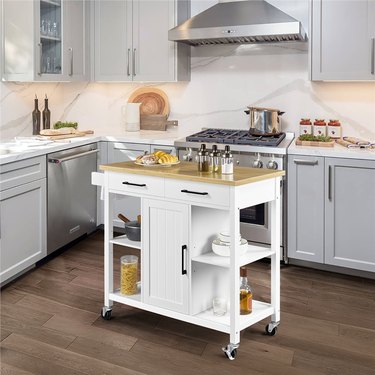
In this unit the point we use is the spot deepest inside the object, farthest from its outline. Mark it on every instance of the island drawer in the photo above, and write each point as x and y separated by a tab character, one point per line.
136	184
197	192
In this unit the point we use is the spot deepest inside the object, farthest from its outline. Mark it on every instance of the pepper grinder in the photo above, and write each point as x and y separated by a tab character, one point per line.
46	115
36	117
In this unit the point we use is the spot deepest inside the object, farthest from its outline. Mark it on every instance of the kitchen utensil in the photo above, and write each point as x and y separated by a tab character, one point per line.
139	219
132	117
315	143
133	230
264	121
223	248
154	101
123	218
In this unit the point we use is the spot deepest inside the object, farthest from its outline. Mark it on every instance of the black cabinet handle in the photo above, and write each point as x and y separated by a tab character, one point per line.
193	192
183	250
132	184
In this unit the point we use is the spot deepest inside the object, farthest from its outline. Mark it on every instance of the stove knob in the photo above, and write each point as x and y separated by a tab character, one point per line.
258	163
272	164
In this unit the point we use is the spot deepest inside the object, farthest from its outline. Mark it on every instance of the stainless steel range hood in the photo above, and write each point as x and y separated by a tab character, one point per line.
239	22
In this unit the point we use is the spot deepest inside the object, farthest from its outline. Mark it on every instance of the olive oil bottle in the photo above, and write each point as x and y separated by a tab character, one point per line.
36	117
246	294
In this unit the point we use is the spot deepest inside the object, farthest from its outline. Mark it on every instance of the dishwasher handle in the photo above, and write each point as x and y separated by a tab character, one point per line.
71	157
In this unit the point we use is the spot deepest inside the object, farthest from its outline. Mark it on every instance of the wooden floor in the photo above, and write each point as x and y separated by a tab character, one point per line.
50	324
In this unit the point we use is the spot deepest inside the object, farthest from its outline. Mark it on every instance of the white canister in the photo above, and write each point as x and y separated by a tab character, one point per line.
334	129
132	117
305	126
320	130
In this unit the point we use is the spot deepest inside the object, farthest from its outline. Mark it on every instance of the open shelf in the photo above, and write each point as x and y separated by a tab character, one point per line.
261	310
131	300
253	253
124	241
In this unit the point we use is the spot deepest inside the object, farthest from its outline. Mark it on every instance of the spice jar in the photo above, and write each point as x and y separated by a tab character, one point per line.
129	271
214	160
203	159
320	128
305	126
246	294
334	129
226	161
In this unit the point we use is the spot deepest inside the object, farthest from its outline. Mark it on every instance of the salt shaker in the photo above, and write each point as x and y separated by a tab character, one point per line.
214	160
203	159
227	161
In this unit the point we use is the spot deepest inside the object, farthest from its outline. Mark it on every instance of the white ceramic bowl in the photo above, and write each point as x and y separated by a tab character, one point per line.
223	248
225	237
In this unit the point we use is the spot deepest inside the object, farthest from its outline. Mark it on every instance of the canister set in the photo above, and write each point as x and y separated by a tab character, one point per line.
214	161
332	128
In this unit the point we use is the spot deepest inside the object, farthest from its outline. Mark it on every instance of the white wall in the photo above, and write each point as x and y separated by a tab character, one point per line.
224	81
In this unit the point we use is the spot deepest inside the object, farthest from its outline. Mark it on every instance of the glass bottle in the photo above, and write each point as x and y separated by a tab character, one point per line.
203	159
214	160
46	115
227	161
36	117
246	294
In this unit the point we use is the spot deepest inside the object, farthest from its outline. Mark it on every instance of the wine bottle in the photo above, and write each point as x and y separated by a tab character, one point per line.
46	115
36	117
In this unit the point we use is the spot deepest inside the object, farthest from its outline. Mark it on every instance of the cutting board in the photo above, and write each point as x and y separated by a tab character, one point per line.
315	143
154	101
66	136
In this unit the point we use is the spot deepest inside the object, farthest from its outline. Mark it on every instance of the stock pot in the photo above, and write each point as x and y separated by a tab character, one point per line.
264	121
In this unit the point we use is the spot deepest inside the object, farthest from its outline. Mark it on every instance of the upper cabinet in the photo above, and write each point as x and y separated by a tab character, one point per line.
342	40
131	41
45	40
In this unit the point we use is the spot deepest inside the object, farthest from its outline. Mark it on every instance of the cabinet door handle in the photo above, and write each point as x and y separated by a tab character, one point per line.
70	49
194	192
132	184
330	183
134	72
128	63
40	58
373	56
305	162
183	253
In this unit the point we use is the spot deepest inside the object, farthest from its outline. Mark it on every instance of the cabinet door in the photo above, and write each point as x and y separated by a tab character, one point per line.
306	208
350	213
113	40
74	40
153	53
126	205
342	40
165	259
23	227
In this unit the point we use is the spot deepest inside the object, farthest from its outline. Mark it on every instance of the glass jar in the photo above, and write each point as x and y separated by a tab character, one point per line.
203	159
226	161
129	274
334	129
214	160
246	294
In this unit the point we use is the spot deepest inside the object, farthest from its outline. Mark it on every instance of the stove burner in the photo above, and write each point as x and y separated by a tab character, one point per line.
238	137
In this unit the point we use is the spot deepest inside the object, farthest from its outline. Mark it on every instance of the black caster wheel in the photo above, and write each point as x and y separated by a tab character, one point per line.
106	314
270	332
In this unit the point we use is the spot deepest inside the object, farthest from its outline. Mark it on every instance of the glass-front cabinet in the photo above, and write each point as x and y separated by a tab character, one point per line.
52	47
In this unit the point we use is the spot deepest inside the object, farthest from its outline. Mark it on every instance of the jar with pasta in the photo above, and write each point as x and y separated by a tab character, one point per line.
129	272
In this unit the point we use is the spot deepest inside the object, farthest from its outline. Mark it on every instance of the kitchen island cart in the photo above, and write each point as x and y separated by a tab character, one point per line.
182	211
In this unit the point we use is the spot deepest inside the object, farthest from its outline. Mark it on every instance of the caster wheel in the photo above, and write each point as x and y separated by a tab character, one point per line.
106	314
230	354
270	332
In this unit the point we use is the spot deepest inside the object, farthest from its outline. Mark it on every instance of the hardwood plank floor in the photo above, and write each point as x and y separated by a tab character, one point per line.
51	324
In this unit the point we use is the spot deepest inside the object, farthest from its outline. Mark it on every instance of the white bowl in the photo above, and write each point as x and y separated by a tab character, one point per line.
225	237
223	248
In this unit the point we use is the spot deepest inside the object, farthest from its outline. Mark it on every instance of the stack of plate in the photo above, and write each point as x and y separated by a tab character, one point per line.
221	245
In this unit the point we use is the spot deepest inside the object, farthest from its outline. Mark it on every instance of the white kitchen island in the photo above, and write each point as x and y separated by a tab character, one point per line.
183	210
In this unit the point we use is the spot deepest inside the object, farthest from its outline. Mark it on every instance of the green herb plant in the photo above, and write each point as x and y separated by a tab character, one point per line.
314	138
66	124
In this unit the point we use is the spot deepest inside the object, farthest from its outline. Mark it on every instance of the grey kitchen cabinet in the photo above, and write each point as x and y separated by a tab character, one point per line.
45	40
350	213
342	40
131	41
306	208
127	205
23	239
167	149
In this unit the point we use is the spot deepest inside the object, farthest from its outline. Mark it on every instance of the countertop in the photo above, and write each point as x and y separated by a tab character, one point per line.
188	171
20	152
337	151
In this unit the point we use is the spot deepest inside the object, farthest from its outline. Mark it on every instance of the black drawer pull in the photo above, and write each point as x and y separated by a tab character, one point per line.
193	192
132	184
183	270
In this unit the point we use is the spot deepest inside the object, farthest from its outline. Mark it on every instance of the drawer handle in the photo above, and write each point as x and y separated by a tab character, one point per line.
193	192
183	269
305	162
132	184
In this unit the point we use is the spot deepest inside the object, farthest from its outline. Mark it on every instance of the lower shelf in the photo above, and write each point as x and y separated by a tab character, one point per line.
124	241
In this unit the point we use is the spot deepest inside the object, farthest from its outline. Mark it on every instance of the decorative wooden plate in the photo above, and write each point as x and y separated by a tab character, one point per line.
154	101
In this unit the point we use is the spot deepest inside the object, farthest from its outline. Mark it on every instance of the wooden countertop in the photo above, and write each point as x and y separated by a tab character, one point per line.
188	171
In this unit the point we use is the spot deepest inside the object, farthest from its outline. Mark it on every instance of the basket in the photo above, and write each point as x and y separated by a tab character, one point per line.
153	122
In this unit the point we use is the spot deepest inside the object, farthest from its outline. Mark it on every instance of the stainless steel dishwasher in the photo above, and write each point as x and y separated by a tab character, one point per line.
71	199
